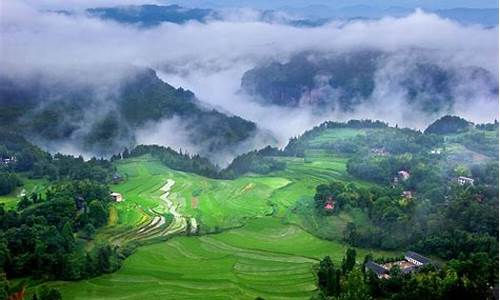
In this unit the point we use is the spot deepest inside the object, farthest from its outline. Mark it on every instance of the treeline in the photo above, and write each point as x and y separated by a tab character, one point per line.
20	156
173	159
258	161
470	278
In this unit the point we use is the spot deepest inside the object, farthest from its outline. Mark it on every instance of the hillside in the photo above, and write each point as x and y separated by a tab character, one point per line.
343	81
174	228
101	121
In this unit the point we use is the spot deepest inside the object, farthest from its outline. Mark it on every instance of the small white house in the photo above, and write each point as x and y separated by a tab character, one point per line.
462	180
403	175
117	197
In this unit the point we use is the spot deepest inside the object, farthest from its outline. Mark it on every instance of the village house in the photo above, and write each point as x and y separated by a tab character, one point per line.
407	194
330	204
436	151
116	178
379	151
117	197
403	175
462	180
411	262
416	258
380	271
8	160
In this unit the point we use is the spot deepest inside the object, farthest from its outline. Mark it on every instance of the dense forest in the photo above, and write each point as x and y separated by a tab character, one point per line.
45	235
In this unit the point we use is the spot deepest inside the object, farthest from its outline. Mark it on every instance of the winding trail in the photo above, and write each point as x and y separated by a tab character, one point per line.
156	227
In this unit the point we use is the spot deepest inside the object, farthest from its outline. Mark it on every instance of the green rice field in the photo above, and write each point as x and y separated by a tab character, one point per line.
249	237
264	258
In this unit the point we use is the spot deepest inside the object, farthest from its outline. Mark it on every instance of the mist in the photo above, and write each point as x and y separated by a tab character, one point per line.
210	59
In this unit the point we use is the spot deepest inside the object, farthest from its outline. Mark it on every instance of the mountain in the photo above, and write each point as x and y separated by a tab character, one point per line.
105	122
342	81
150	15
309	16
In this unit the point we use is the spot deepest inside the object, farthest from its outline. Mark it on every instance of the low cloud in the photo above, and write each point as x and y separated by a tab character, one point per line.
210	59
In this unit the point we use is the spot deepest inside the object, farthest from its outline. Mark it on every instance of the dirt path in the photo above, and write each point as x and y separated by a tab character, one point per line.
156	227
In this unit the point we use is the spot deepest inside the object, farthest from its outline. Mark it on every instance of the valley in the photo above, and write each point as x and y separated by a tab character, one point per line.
258	235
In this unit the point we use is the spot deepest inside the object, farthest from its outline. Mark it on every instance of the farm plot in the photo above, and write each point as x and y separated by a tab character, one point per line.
264	258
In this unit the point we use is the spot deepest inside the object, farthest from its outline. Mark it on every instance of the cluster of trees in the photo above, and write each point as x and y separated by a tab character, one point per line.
461	220
173	159
471	278
297	145
342	195
40	240
9	182
36	163
346	282
258	161
448	125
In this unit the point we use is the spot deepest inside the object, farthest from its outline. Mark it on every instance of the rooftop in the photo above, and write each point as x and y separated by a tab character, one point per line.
378	269
417	257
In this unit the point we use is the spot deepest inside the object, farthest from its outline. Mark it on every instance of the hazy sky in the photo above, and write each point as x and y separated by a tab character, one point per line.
270	4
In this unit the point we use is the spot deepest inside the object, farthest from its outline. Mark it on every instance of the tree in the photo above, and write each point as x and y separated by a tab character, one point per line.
88	231
23	203
354	287
328	277
97	213
47	293
349	261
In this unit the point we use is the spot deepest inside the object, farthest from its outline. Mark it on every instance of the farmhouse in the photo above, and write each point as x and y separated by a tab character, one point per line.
330	204
380	271
379	151
411	262
8	160
117	177
416	258
462	180
436	151
407	194
117	197
403	175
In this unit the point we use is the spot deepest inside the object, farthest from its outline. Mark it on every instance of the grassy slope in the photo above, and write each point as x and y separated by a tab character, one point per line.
29	186
270	256
264	258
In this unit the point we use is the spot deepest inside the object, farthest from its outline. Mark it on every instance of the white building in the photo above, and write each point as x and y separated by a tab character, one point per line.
416	259
117	197
462	180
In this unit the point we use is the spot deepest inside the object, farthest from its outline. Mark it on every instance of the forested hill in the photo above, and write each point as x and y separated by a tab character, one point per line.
343	81
104	123
150	15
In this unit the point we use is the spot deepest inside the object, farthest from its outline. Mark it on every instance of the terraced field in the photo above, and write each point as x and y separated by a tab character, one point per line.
155	194
251	237
265	258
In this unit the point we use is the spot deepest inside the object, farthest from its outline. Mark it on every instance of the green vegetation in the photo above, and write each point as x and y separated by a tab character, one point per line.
448	125
264	258
58	112
260	227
